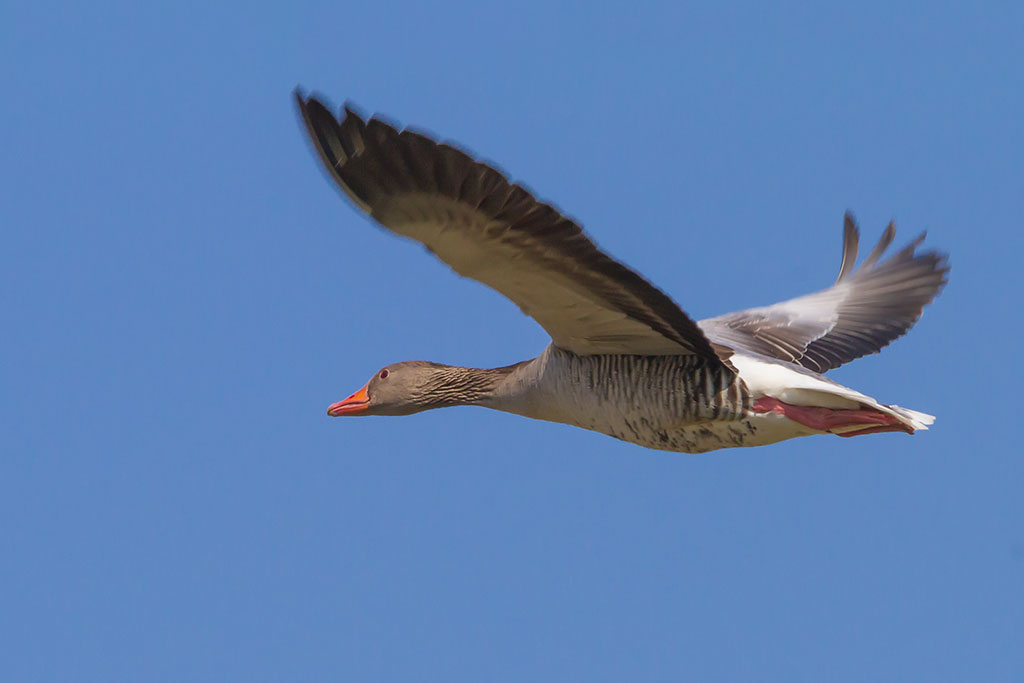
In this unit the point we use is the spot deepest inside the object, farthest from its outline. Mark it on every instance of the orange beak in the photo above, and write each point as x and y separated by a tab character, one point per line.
354	404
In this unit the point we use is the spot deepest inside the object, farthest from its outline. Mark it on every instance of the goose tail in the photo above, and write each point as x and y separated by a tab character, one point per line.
819	403
912	418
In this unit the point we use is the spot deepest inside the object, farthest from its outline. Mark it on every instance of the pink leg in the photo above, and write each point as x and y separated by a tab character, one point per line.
878	430
827	419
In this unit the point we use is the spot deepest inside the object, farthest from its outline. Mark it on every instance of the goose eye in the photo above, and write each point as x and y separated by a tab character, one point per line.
384	374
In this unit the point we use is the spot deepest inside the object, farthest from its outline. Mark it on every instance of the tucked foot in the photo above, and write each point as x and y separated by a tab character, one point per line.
841	422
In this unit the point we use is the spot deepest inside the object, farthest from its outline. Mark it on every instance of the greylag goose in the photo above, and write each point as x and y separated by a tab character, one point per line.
624	359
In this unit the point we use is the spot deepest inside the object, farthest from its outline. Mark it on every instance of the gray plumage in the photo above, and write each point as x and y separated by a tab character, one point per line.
624	360
866	309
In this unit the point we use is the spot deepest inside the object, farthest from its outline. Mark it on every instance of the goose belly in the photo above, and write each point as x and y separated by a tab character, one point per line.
673	403
690	435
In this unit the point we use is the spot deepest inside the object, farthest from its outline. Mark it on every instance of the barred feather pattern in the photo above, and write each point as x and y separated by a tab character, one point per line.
675	403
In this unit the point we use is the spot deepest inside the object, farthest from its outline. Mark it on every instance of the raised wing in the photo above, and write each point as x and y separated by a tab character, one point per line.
862	312
495	232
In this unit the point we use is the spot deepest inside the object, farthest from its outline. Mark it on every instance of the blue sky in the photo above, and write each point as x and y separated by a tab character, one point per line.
185	293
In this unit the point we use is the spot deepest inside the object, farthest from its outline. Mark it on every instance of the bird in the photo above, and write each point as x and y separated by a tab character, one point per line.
624	359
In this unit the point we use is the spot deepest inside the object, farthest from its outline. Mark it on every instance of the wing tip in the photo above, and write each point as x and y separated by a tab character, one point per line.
335	141
851	241
908	252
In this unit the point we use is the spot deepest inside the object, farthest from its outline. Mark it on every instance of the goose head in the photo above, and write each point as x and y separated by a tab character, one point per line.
399	389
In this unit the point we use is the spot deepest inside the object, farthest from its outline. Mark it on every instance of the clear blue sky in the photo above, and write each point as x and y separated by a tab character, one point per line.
184	293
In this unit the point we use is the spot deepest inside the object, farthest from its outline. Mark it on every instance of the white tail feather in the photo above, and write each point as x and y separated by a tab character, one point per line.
912	418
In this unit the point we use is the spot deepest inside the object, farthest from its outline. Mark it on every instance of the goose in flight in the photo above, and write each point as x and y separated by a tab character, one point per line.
624	359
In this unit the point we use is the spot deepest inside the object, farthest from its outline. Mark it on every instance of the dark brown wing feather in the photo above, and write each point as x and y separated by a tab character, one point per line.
496	232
